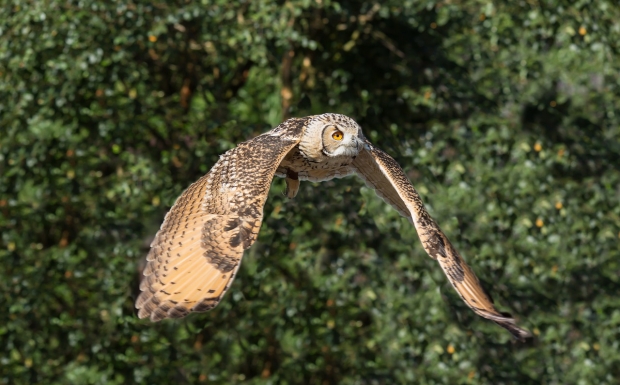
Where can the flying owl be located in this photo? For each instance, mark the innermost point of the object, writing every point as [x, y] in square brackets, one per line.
[198, 249]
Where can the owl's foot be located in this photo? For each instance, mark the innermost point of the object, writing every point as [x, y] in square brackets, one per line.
[292, 184]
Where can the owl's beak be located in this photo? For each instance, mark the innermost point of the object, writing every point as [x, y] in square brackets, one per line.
[361, 144]
[358, 143]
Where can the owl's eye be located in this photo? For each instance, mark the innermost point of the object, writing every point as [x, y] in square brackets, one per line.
[338, 135]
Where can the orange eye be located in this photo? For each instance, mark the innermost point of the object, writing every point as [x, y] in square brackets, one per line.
[338, 135]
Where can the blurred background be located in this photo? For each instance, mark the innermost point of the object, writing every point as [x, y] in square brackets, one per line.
[504, 115]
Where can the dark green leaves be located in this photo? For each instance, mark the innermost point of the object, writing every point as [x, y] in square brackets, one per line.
[504, 116]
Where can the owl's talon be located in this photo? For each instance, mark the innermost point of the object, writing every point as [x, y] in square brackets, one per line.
[292, 184]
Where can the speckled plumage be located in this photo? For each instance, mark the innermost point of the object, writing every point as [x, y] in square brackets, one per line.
[198, 250]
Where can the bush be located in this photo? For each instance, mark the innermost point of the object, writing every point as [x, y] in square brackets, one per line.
[504, 116]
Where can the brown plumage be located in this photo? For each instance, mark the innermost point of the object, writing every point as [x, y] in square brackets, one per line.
[198, 250]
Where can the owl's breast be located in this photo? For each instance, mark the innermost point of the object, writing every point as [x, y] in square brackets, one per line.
[336, 167]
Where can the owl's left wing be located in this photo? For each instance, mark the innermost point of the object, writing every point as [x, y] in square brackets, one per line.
[384, 175]
[198, 249]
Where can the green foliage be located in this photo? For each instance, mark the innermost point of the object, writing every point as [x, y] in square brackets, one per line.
[505, 115]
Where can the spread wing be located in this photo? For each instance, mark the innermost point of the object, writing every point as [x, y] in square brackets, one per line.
[385, 176]
[196, 253]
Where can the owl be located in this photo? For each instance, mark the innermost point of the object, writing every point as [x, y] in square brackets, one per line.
[198, 249]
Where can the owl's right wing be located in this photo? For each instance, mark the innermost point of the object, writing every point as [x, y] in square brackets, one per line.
[382, 173]
[196, 253]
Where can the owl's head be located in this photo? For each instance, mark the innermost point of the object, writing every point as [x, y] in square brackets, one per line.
[330, 136]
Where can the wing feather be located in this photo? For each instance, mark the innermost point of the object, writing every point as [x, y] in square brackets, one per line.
[198, 249]
[384, 175]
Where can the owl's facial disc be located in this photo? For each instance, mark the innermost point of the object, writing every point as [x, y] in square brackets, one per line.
[341, 140]
[331, 135]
